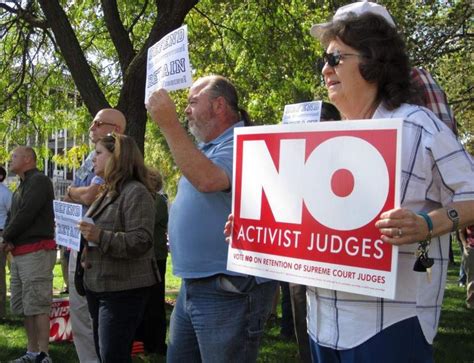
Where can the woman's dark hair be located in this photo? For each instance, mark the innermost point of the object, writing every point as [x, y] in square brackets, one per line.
[125, 164]
[384, 60]
[329, 112]
[219, 86]
[3, 174]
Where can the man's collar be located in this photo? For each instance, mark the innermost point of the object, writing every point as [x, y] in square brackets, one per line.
[28, 172]
[228, 132]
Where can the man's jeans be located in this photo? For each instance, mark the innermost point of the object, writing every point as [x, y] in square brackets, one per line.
[219, 319]
[115, 317]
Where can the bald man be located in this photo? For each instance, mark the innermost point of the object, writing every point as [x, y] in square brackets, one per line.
[105, 122]
[29, 236]
[84, 190]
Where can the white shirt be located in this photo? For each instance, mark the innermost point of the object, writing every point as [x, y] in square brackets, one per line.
[436, 171]
[5, 203]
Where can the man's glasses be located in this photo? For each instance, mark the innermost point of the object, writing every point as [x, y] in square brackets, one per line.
[100, 123]
[333, 59]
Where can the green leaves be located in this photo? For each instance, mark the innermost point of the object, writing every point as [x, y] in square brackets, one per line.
[263, 46]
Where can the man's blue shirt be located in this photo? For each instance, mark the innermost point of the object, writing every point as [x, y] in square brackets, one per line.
[85, 176]
[197, 242]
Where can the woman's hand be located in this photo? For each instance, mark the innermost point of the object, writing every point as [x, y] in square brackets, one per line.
[90, 231]
[228, 227]
[402, 226]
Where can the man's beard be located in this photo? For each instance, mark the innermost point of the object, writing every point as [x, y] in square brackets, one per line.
[201, 132]
[196, 132]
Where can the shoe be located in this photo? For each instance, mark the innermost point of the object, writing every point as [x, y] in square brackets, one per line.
[43, 358]
[27, 358]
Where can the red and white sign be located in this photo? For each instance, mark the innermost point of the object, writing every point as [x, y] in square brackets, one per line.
[306, 198]
[59, 322]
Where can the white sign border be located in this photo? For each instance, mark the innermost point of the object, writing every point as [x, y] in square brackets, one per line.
[273, 272]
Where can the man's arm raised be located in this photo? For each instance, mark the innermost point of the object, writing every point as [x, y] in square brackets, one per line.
[201, 172]
[83, 195]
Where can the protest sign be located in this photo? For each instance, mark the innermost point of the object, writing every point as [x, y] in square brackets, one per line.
[66, 217]
[304, 112]
[168, 63]
[306, 198]
[59, 321]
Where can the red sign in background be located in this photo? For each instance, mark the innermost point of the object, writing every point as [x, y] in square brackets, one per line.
[359, 247]
[59, 321]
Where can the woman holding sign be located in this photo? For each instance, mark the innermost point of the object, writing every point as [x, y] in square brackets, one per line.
[119, 262]
[367, 75]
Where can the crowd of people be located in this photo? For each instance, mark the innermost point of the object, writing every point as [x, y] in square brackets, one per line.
[116, 280]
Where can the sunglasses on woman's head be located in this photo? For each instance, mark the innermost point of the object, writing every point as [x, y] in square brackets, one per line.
[334, 58]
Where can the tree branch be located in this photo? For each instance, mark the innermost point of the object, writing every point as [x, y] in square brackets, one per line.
[26, 15]
[219, 33]
[118, 33]
[74, 57]
[135, 20]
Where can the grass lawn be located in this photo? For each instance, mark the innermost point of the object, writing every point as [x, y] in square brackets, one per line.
[454, 342]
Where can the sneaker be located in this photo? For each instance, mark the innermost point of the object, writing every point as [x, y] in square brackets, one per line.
[27, 358]
[43, 358]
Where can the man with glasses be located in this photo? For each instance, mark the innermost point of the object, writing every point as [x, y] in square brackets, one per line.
[84, 191]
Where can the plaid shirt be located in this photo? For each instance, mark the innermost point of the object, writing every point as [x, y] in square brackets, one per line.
[436, 171]
[434, 97]
[124, 258]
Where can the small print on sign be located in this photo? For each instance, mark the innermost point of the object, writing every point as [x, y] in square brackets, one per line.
[300, 113]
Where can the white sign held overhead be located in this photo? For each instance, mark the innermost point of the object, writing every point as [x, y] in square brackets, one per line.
[168, 63]
[301, 113]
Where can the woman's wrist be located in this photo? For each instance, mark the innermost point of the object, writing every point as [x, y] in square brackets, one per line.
[429, 224]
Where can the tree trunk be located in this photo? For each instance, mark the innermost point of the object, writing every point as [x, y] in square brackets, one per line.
[171, 14]
[74, 57]
[131, 101]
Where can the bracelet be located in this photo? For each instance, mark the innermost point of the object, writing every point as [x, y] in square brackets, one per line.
[429, 222]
